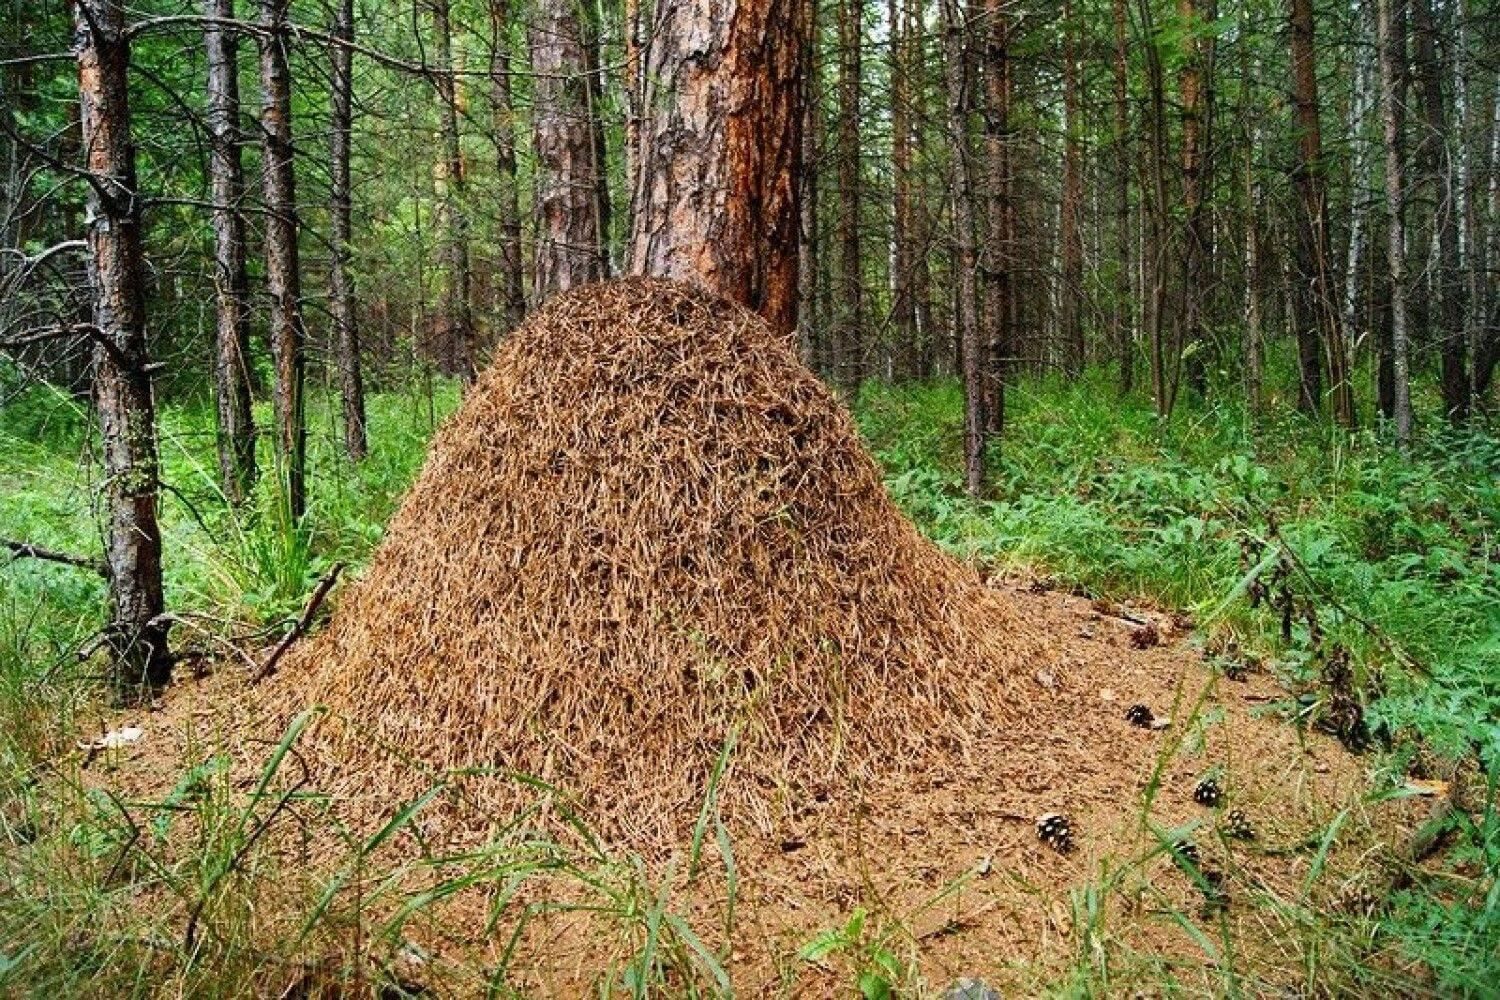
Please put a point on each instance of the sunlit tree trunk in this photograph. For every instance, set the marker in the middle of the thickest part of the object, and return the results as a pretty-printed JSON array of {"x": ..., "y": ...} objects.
[
  {"x": 717, "y": 197},
  {"x": 236, "y": 425},
  {"x": 285, "y": 327},
  {"x": 122, "y": 381}
]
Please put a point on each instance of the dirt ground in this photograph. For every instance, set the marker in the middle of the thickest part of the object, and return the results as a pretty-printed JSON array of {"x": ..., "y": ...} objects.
[{"x": 949, "y": 867}]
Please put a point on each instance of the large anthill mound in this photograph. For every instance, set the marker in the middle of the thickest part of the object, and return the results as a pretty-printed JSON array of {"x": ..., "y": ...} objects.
[{"x": 650, "y": 526}]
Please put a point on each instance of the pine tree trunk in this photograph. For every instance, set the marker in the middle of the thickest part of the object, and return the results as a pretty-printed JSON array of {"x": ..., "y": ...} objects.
[
  {"x": 1447, "y": 321},
  {"x": 1070, "y": 240},
  {"x": 1190, "y": 338},
  {"x": 512, "y": 284},
  {"x": 287, "y": 333},
  {"x": 717, "y": 198},
  {"x": 849, "y": 314},
  {"x": 122, "y": 383},
  {"x": 1392, "y": 45},
  {"x": 346, "y": 354},
  {"x": 994, "y": 265},
  {"x": 1124, "y": 311},
  {"x": 236, "y": 424},
  {"x": 570, "y": 238},
  {"x": 966, "y": 261},
  {"x": 813, "y": 341},
  {"x": 1319, "y": 330},
  {"x": 903, "y": 309},
  {"x": 459, "y": 349}
]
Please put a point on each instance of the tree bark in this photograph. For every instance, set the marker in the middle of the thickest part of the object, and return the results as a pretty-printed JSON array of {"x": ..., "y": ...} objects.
[
  {"x": 570, "y": 233},
  {"x": 717, "y": 197},
  {"x": 1318, "y": 327},
  {"x": 1446, "y": 322},
  {"x": 122, "y": 384},
  {"x": 287, "y": 333},
  {"x": 1191, "y": 88},
  {"x": 903, "y": 308},
  {"x": 1392, "y": 44},
  {"x": 512, "y": 284},
  {"x": 955, "y": 32},
  {"x": 995, "y": 264},
  {"x": 1070, "y": 240},
  {"x": 459, "y": 349},
  {"x": 236, "y": 424},
  {"x": 347, "y": 359},
  {"x": 850, "y": 312},
  {"x": 1123, "y": 312}
]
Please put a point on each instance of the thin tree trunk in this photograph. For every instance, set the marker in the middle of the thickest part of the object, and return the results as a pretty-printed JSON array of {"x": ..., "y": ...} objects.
[
  {"x": 122, "y": 384},
  {"x": 1253, "y": 337},
  {"x": 994, "y": 267},
  {"x": 1191, "y": 86},
  {"x": 1319, "y": 323},
  {"x": 1123, "y": 312},
  {"x": 347, "y": 359},
  {"x": 1359, "y": 174},
  {"x": 1392, "y": 44},
  {"x": 849, "y": 342},
  {"x": 507, "y": 188},
  {"x": 287, "y": 333},
  {"x": 1156, "y": 216},
  {"x": 966, "y": 263},
  {"x": 812, "y": 337},
  {"x": 1070, "y": 240},
  {"x": 903, "y": 308},
  {"x": 1447, "y": 321},
  {"x": 717, "y": 197},
  {"x": 459, "y": 350},
  {"x": 570, "y": 241},
  {"x": 236, "y": 424}
]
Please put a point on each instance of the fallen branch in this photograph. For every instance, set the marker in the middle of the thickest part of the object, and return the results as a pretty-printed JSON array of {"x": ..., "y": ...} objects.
[
  {"x": 25, "y": 550},
  {"x": 316, "y": 601}
]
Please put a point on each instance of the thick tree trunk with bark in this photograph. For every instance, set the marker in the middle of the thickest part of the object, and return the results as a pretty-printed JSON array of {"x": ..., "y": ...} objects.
[
  {"x": 236, "y": 425},
  {"x": 286, "y": 331},
  {"x": 1319, "y": 331},
  {"x": 511, "y": 279},
  {"x": 1392, "y": 45},
  {"x": 570, "y": 236},
  {"x": 717, "y": 194},
  {"x": 346, "y": 355},
  {"x": 966, "y": 257},
  {"x": 122, "y": 383}
]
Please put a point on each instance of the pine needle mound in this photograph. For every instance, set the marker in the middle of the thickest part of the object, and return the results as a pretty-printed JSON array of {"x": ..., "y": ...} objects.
[{"x": 649, "y": 526}]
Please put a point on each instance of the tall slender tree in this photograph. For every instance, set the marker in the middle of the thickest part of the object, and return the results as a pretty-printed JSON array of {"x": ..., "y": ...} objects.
[
  {"x": 287, "y": 333},
  {"x": 459, "y": 350},
  {"x": 511, "y": 279},
  {"x": 346, "y": 352},
  {"x": 236, "y": 425},
  {"x": 1392, "y": 44},
  {"x": 122, "y": 383},
  {"x": 849, "y": 345}
]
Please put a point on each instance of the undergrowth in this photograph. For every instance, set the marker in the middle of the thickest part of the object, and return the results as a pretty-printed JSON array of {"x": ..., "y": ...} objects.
[{"x": 1357, "y": 576}]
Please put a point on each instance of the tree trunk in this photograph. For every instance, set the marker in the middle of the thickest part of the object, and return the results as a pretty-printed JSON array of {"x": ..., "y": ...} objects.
[
  {"x": 994, "y": 263},
  {"x": 1190, "y": 82},
  {"x": 1447, "y": 321},
  {"x": 1392, "y": 44},
  {"x": 812, "y": 337},
  {"x": 1318, "y": 326},
  {"x": 507, "y": 188},
  {"x": 1155, "y": 211},
  {"x": 570, "y": 233},
  {"x": 1123, "y": 312},
  {"x": 459, "y": 349},
  {"x": 122, "y": 383},
  {"x": 903, "y": 308},
  {"x": 236, "y": 424},
  {"x": 1070, "y": 240},
  {"x": 717, "y": 196},
  {"x": 849, "y": 314},
  {"x": 966, "y": 260},
  {"x": 287, "y": 333},
  {"x": 340, "y": 281}
]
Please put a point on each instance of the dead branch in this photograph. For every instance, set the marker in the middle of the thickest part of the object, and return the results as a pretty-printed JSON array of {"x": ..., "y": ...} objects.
[
  {"x": 316, "y": 601},
  {"x": 25, "y": 550}
]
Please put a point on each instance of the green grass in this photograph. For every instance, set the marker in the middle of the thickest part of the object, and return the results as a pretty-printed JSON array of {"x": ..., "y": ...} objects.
[{"x": 1398, "y": 560}]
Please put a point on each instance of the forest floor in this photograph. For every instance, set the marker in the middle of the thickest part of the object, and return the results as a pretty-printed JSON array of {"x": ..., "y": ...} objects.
[{"x": 167, "y": 865}]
